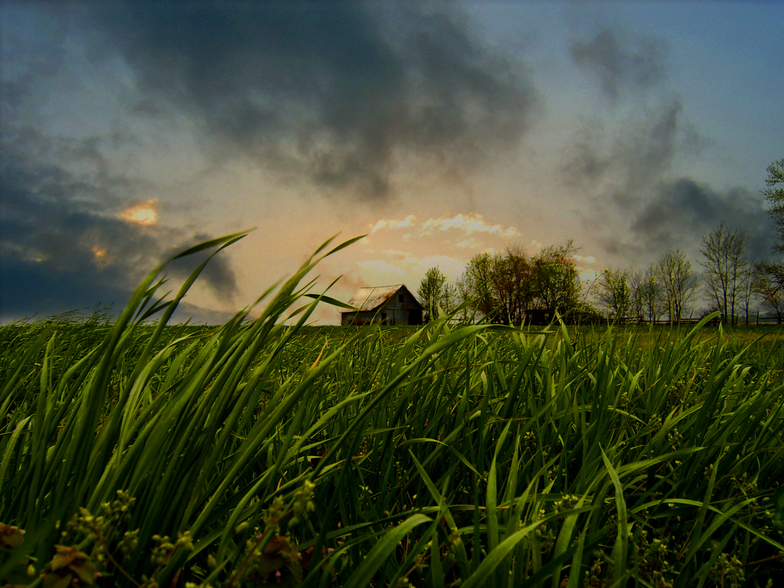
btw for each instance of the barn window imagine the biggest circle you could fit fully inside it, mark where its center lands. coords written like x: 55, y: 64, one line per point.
x: 401, y: 298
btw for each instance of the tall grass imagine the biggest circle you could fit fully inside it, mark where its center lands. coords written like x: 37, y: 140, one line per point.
x: 477, y: 455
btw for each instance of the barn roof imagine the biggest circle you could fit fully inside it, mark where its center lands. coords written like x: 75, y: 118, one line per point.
x: 374, y: 298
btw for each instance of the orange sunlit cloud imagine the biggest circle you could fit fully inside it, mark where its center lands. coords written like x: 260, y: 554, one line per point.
x: 142, y: 214
x: 99, y: 256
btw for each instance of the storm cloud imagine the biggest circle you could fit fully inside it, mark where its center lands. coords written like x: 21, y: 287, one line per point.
x: 683, y: 209
x: 638, y: 154
x: 62, y: 245
x: 131, y: 130
x: 621, y: 65
x: 344, y: 93
x: 628, y: 176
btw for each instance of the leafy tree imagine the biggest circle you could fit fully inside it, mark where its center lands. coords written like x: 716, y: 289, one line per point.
x: 556, y: 284
x: 615, y: 293
x: 450, y: 299
x: 678, y: 285
x: 511, y: 281
x: 431, y: 292
x: 476, y: 283
x: 498, y: 285
x: 726, y: 268
x: 774, y: 194
x: 507, y: 286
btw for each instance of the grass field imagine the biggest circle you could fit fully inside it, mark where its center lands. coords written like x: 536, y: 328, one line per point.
x: 263, y: 453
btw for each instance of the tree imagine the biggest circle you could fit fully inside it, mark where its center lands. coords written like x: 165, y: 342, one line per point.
x: 498, y: 285
x: 431, y: 292
x: 746, y: 292
x: 450, y: 298
x: 678, y: 286
x: 507, y: 286
x: 511, y: 281
x: 726, y: 268
x: 615, y: 293
x: 636, y: 300
x: 768, y: 284
x: 647, y: 289
x: 774, y: 194
x: 475, y: 285
x: 556, y: 284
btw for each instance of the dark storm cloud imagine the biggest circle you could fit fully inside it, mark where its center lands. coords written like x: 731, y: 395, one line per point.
x: 638, y: 156
x: 62, y: 246
x: 218, y: 274
x: 619, y: 65
x: 343, y: 92
x: 627, y: 171
x: 682, y: 211
x: 629, y: 177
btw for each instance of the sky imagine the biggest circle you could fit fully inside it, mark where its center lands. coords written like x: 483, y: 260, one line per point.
x: 133, y: 130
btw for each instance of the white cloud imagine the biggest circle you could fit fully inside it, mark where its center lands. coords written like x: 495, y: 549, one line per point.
x: 469, y: 243
x: 396, y: 253
x: 393, y: 224
x: 468, y: 223
x: 589, y: 259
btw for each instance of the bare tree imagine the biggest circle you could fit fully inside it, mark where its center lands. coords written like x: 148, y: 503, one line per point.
x: 726, y: 268
x: 768, y: 284
x: 746, y: 292
x: 651, y: 293
x: 636, y: 299
x: 678, y: 285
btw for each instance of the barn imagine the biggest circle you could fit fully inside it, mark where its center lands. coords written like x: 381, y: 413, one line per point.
x: 389, y: 305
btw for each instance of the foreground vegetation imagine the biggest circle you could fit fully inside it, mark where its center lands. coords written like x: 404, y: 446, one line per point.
x: 268, y: 453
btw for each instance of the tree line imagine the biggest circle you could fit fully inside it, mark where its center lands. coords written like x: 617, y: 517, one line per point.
x: 508, y: 287
x: 513, y: 288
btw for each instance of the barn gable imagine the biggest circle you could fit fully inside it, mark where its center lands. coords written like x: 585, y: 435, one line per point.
x: 393, y: 305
